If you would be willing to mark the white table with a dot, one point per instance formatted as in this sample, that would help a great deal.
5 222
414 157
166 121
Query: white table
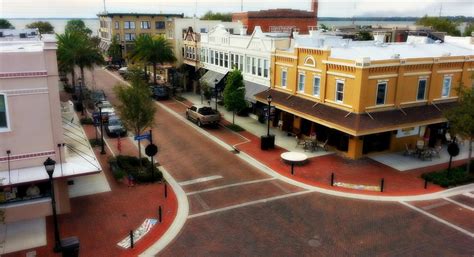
293 158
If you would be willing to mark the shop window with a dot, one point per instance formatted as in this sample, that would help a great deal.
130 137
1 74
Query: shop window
339 91
420 95
381 93
446 86
283 78
25 192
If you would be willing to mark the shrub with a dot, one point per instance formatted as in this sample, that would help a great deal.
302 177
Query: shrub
87 121
180 98
131 165
235 127
458 176
95 142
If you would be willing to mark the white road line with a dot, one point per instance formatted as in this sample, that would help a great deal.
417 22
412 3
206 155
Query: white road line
202 202
230 185
460 204
199 180
433 206
469 194
275 183
248 204
436 218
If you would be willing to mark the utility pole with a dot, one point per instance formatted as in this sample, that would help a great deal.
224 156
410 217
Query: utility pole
105 8
241 5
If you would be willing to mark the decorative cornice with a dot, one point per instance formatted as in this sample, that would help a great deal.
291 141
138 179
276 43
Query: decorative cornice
26 74
26 156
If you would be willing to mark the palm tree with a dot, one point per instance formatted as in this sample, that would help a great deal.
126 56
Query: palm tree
67 53
141 51
154 50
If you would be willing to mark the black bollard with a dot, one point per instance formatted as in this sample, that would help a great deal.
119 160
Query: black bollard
426 183
131 238
381 185
166 191
292 168
332 179
159 214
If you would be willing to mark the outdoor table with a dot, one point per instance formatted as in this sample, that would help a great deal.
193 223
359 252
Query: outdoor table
293 158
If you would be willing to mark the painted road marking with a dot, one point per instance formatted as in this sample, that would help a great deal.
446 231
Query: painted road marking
199 180
202 202
469 194
275 183
438 219
248 204
435 205
460 204
230 185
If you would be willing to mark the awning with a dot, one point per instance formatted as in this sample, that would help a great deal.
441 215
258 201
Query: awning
251 89
104 45
210 77
357 124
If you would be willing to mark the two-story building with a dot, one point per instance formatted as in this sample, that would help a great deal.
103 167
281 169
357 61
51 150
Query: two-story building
365 97
125 27
35 125
219 51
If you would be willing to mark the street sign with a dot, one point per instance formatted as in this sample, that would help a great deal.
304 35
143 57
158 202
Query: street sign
143 136
151 150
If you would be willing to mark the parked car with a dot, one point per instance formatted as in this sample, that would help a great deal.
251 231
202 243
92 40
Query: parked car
203 115
123 71
160 92
97 96
115 127
107 108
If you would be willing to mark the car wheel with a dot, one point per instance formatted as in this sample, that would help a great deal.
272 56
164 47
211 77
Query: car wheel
199 123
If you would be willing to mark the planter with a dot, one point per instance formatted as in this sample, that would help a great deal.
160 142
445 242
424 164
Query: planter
267 142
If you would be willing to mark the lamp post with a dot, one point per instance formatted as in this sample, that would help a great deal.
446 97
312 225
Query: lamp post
81 96
215 90
269 100
49 165
102 150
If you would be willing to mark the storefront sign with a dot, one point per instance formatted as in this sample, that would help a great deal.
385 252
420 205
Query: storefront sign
406 132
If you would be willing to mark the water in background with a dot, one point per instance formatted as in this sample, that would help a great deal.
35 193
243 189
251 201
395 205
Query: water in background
93 24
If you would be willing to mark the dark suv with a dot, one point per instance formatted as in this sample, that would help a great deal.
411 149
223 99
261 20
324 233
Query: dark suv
114 127
160 92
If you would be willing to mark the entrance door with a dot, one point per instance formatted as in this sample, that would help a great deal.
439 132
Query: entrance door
376 142
287 122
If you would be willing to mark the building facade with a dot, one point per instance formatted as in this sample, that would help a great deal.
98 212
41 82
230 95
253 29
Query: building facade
219 51
279 20
366 97
125 27
34 125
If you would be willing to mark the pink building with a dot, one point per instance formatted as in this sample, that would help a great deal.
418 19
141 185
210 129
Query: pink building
35 125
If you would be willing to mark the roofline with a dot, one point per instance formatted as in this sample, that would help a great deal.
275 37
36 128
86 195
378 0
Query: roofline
181 15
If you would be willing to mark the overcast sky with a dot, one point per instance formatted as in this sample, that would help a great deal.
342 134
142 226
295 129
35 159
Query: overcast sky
334 8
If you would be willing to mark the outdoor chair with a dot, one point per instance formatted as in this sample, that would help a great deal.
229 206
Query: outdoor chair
426 155
409 151
300 140
436 151
322 145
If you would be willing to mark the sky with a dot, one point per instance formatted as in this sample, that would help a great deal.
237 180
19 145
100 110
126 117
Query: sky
327 8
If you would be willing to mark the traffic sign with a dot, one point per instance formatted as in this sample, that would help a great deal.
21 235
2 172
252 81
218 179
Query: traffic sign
143 136
151 150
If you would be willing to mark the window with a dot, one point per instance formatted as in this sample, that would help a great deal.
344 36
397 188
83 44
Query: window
217 57
3 113
420 95
212 56
265 68
316 85
301 78
145 25
129 36
129 25
446 86
159 25
283 78
226 56
117 36
117 25
339 91
248 65
259 67
221 59
254 66
381 93
241 63
203 30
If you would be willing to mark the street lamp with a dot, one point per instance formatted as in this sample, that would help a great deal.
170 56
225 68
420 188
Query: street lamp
100 105
269 100
49 165
215 90
81 96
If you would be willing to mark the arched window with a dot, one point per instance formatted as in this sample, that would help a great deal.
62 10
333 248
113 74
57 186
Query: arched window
309 61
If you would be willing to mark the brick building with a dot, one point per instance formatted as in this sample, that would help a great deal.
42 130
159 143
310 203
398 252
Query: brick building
279 20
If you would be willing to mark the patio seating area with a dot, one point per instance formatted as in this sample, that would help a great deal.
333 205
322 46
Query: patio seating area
422 151
311 143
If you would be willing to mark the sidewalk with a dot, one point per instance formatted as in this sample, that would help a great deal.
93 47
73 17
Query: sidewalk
361 176
111 215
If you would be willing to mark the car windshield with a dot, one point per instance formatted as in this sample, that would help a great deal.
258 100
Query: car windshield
114 122
106 105
160 89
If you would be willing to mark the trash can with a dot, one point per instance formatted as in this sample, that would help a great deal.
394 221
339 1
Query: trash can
70 246
267 142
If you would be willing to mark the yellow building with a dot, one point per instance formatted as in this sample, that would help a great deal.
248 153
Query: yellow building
366 97
125 27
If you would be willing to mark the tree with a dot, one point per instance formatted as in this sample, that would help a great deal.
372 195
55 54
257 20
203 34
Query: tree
137 109
461 118
440 24
155 50
364 35
5 24
209 15
115 51
323 27
469 29
77 25
44 27
234 93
